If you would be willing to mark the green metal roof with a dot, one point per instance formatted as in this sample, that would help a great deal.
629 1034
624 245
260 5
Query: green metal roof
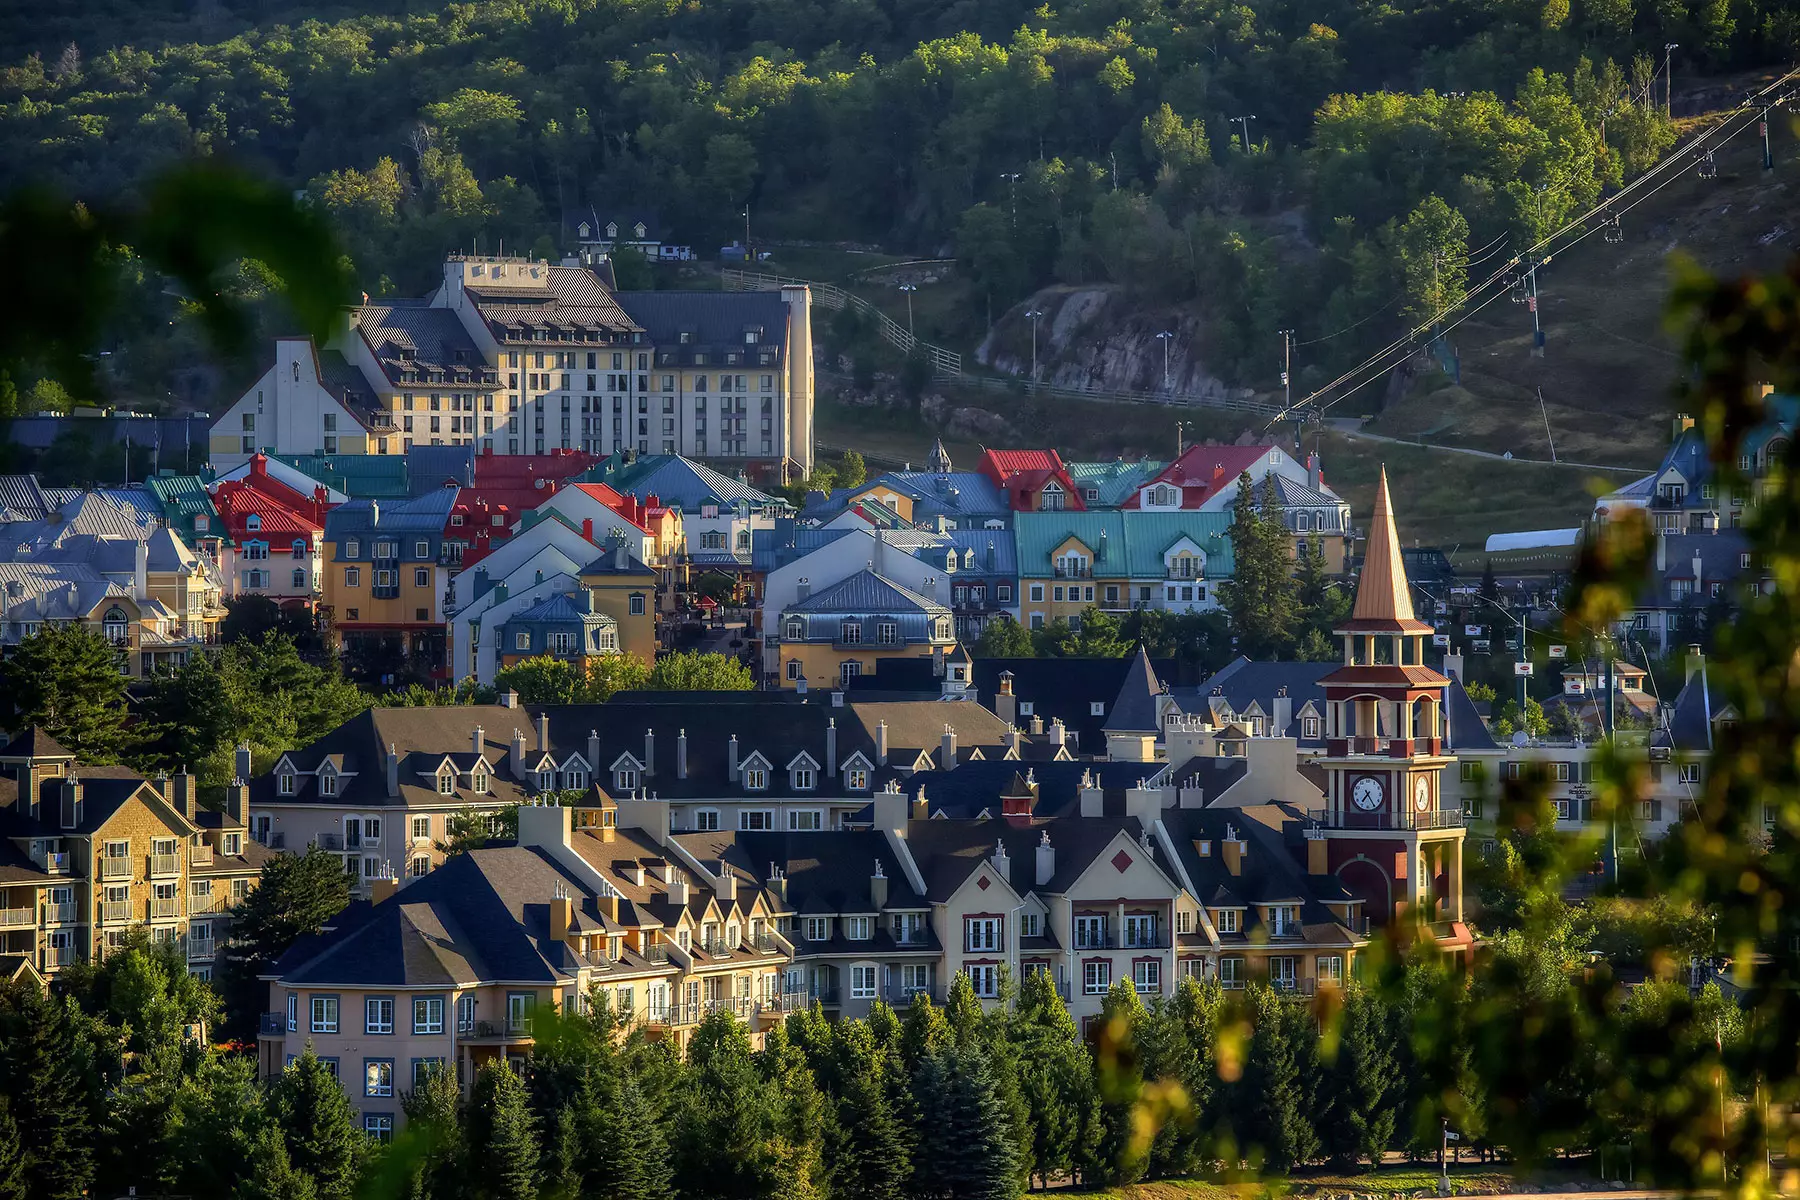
359 476
1115 481
184 497
1126 544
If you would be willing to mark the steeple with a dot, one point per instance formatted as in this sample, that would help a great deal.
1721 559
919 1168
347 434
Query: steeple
1383 599
939 461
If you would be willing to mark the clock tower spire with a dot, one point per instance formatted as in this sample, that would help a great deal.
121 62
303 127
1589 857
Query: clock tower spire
1389 841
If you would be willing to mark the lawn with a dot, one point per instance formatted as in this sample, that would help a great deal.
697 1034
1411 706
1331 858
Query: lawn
1389 1181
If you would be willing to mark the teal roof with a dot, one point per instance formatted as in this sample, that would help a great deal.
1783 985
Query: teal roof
359 476
1116 481
1126 544
184 497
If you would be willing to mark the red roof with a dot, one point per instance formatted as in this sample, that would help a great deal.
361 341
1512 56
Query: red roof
1023 473
277 520
1202 471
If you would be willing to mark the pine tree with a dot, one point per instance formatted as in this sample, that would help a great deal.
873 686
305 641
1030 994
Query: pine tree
1118 1158
801 1119
40 1074
872 1154
315 1118
503 1141
1260 596
625 1152
724 1145
1055 1079
66 679
12 1156
295 896
1363 1084
966 1149
963 1011
923 1031
434 1126
269 1174
1279 1131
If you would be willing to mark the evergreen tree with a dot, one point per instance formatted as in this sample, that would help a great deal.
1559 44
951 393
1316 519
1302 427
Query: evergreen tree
923 1032
1193 1013
625 1151
1055 1079
66 678
434 1129
963 1012
1279 1132
1260 596
1118 1156
1363 1084
295 896
872 1154
12 1156
725 1144
40 1076
966 1147
268 1173
503 1139
1003 637
316 1120
801 1118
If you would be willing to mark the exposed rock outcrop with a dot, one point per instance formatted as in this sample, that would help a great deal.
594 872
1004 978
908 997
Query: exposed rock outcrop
1092 337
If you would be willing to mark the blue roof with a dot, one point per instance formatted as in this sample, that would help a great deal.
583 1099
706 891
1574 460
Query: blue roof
425 514
988 553
676 482
788 541
560 608
867 592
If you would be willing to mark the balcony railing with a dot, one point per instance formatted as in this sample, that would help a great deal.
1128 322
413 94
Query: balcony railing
201 855
212 902
674 1014
200 949
115 868
115 912
272 1024
163 909
53 862
165 864
14 917
737 1006
501 1030
331 841
1438 818
59 914
57 957
657 953
1074 572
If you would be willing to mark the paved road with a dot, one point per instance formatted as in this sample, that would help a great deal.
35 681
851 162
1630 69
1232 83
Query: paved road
1350 427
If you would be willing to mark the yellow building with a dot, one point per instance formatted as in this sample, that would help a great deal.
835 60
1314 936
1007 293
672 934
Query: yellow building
840 633
91 853
624 588
386 567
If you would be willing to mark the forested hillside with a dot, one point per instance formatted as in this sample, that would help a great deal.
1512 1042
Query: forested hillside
1098 140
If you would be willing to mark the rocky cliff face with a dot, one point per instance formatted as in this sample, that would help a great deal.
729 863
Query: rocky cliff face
1091 337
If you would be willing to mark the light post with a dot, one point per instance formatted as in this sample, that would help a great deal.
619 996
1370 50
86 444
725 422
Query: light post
1012 181
1669 49
1165 337
1444 1157
909 289
1034 314
1244 121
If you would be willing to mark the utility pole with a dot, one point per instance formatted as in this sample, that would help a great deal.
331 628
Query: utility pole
1525 662
1244 121
1165 337
1034 314
1545 413
1287 364
1669 49
1612 824
749 259
909 289
1012 181
1531 302
1763 128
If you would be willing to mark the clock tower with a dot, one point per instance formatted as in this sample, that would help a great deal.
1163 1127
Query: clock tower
1391 839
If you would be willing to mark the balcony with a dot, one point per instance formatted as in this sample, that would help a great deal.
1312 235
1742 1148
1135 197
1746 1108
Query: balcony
115 868
54 862
12 918
1442 818
115 912
200 949
331 841
200 855
1074 571
498 1031
657 953
57 957
164 909
59 914
737 1006
272 1025
901 996
164 864
673 1015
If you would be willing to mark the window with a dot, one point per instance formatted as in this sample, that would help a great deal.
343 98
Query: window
857 779
446 784
284 783
421 828
706 819
862 983
850 632
1140 930
1096 976
352 576
324 1014
857 929
1090 932
637 605
806 820
981 933
293 1012
756 779
1231 972
1309 727
1030 924
423 1069
756 819
1228 921
985 980
378 1076
1283 973
1284 920
817 929
378 1015
887 633
478 783
1146 975
421 577
379 1126
519 1007
1037 593
1184 921
1331 968
465 1014
803 780
428 1014
1689 773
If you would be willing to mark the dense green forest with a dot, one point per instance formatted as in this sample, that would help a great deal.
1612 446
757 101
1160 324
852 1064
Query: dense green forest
1099 140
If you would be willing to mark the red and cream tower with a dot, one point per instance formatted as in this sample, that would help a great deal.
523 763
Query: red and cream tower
1390 837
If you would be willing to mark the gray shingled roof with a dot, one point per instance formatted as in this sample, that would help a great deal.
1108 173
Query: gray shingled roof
1134 710
715 324
435 336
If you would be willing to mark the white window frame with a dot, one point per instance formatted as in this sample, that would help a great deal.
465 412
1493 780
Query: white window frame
1096 976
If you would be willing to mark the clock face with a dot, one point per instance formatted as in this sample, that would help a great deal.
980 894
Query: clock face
1422 793
1367 793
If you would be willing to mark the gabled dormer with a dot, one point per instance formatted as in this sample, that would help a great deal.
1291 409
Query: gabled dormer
755 772
287 777
330 779
803 772
576 772
857 772
627 772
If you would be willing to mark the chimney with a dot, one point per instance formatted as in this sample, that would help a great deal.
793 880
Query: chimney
1036 726
518 753
509 699
621 557
609 905
1002 864
1318 853
878 887
593 751
890 809
1015 741
393 771
1232 851
241 762
1453 665
947 749
1092 798
1699 577
562 914
881 743
731 758
649 752
237 801
1059 734
543 732
1046 859
184 794
587 528
141 571
678 887
831 748
1283 715
382 888
1696 663
777 883
1662 552
1006 704
681 755
71 803
478 740
1315 471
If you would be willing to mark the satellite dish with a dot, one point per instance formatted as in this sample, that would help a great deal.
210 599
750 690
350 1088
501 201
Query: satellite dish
1520 738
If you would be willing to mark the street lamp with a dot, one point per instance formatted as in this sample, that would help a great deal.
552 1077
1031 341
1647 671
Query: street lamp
909 289
1012 181
1165 337
1245 122
1034 314
1669 49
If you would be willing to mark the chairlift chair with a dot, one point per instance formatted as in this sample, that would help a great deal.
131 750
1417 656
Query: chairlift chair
1614 233
1709 168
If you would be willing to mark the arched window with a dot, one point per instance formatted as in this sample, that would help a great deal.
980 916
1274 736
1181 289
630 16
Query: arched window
252 522
115 624
1303 520
299 548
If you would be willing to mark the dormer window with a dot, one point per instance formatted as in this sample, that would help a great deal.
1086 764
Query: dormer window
625 779
796 629
575 779
850 632
446 781
478 783
252 522
756 779
803 779
327 783
232 844
299 548
546 780
1162 495
284 782
941 629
